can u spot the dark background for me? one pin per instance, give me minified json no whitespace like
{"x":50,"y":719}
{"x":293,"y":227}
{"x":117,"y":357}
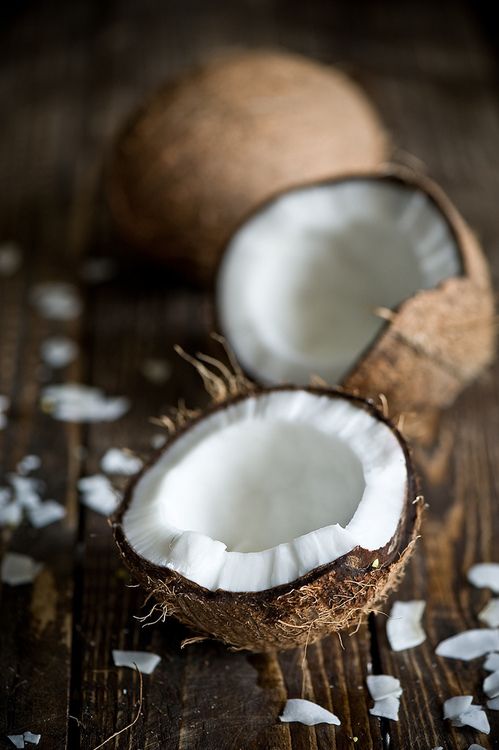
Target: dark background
{"x":69,"y":74}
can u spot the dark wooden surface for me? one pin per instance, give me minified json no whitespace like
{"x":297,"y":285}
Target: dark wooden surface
{"x":69,"y":72}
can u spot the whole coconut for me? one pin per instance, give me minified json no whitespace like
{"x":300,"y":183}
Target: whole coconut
{"x":208,"y":147}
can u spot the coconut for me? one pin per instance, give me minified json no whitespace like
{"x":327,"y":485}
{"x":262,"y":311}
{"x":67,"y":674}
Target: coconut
{"x":274,"y":517}
{"x":208,"y":147}
{"x":372,"y":281}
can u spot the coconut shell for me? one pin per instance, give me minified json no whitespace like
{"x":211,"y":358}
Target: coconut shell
{"x":330,"y":598}
{"x":206,"y":148}
{"x":439,"y":340}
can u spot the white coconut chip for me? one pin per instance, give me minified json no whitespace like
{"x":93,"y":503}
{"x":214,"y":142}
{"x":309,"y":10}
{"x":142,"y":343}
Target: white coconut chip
{"x":385,"y":691}
{"x":98,"y":494}
{"x":73,"y":402}
{"x":32,"y":738}
{"x":470,"y":644}
{"x":16,"y":739}
{"x":26,"y":491}
{"x":493,"y":704}
{"x":19,"y":740}
{"x":97,"y":270}
{"x":491,"y":663}
{"x":19,"y":569}
{"x":403,"y":628}
{"x":28,"y":464}
{"x":46,"y":513}
{"x":157,"y":371}
{"x":485,"y":576}
{"x":461,"y":712}
{"x":491,"y":685}
{"x":10,"y":258}
{"x":119,"y":461}
{"x":474,"y":746}
{"x":56,"y":300}
{"x":58,"y":351}
{"x":144,"y":661}
{"x":490,"y":614}
{"x":307,"y":712}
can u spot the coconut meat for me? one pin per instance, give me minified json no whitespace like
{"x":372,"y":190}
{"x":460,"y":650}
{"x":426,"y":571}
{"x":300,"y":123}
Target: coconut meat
{"x":266,"y":489}
{"x":303,"y":278}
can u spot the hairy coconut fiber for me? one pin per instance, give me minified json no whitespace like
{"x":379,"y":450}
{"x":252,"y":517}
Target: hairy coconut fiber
{"x":330,"y":598}
{"x":439,"y":340}
{"x":208,"y":147}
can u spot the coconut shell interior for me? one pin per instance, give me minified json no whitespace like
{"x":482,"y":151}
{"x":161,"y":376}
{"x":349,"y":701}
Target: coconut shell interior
{"x":327,"y":599}
{"x":210,"y":146}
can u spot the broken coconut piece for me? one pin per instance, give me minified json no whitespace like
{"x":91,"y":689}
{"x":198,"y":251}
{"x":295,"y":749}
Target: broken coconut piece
{"x":32,"y":738}
{"x":491,"y":663}
{"x":19,"y":740}
{"x":46,"y":513}
{"x":403,"y":628}
{"x":385,"y":691}
{"x":485,"y":576}
{"x":178,"y":192}
{"x":98,"y":494}
{"x":470,"y":644}
{"x":119,"y":461}
{"x":56,"y":300}
{"x":249,"y":519}
{"x":490,"y":614}
{"x":301,"y":293}
{"x":144,"y":661}
{"x":461,"y":712}
{"x":491,"y":685}
{"x":58,"y":351}
{"x":72,"y":402}
{"x":307,"y":712}
{"x":18,"y":569}
{"x":16,"y":739}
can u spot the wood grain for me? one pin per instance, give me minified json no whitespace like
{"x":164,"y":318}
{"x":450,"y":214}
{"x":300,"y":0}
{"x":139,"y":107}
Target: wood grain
{"x":69,"y":72}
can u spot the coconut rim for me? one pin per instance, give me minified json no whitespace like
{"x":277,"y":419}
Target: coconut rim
{"x":400,"y":540}
{"x":394,"y":173}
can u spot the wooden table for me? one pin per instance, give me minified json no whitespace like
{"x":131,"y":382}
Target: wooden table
{"x":69,"y":74}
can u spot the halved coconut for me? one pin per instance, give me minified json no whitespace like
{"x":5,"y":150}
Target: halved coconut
{"x":373,"y":282}
{"x":208,"y":147}
{"x":274,"y":517}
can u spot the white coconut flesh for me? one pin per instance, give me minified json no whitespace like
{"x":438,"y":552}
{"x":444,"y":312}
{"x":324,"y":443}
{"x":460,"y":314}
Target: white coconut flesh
{"x":301,"y":280}
{"x":267,"y":489}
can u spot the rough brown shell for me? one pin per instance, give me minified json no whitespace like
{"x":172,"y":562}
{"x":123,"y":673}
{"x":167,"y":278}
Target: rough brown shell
{"x":207,"y":148}
{"x":330,"y":598}
{"x":438,"y":340}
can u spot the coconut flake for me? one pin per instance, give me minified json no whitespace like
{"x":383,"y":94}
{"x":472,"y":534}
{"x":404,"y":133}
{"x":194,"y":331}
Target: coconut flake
{"x":98,"y":494}
{"x":32,"y":738}
{"x":19,"y":569}
{"x":28,"y":464}
{"x":46,"y":513}
{"x":490,"y":614}
{"x":485,"y":576}
{"x":144,"y":661}
{"x":493,"y":704}
{"x":56,"y":300}
{"x":157,"y":371}
{"x":491,"y":663}
{"x":307,"y":712}
{"x":461,"y":712}
{"x":25,"y":491}
{"x":58,"y":351}
{"x":385,"y":691}
{"x":119,"y":461}
{"x":491,"y":685}
{"x":97,"y":270}
{"x":16,"y":739}
{"x":470,"y":644}
{"x":403,"y":628}
{"x":73,"y":402}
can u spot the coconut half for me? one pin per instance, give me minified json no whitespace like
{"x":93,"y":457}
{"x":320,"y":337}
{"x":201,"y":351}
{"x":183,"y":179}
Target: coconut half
{"x":210,"y":146}
{"x":373,"y":282}
{"x":273,"y":518}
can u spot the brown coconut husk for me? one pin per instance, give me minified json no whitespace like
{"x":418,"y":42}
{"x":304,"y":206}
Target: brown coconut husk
{"x":206,"y":148}
{"x":330,"y":598}
{"x":439,"y":340}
